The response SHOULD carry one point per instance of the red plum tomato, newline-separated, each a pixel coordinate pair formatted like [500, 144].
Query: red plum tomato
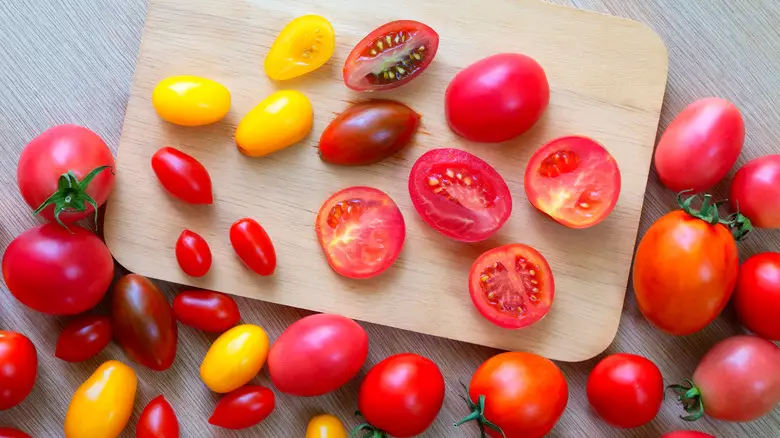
[193, 254]
[206, 310]
[83, 338]
[755, 191]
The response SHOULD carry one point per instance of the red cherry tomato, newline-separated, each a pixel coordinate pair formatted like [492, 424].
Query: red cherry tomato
[193, 254]
[83, 338]
[182, 176]
[757, 297]
[700, 145]
[626, 390]
[244, 407]
[574, 180]
[497, 98]
[390, 56]
[459, 194]
[206, 310]
[18, 368]
[512, 285]
[755, 191]
[361, 230]
[253, 246]
[9, 432]
[158, 420]
[688, 434]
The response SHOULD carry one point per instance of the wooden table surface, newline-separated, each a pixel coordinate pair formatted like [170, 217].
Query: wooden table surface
[71, 61]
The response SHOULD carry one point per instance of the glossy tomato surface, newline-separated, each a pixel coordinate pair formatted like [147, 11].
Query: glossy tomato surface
[688, 434]
[755, 191]
[182, 176]
[278, 121]
[325, 426]
[83, 338]
[206, 310]
[190, 100]
[390, 56]
[317, 354]
[9, 432]
[58, 271]
[253, 246]
[368, 132]
[244, 407]
[18, 368]
[235, 358]
[459, 195]
[757, 297]
[497, 98]
[574, 180]
[193, 254]
[304, 45]
[158, 420]
[361, 230]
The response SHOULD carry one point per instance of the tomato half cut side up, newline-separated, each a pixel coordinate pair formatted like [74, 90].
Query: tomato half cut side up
[361, 231]
[574, 180]
[390, 56]
[512, 286]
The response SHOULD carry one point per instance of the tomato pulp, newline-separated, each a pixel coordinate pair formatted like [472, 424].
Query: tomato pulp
[304, 45]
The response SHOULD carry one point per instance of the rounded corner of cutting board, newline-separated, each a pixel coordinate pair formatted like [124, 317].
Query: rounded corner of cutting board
[112, 237]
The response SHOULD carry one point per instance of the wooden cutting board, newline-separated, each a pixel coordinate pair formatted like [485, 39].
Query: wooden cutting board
[607, 76]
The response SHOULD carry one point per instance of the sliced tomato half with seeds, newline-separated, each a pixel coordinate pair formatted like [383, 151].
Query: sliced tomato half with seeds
[512, 285]
[390, 56]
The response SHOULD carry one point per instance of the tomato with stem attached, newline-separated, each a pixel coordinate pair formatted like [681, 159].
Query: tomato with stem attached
[193, 254]
[18, 368]
[755, 191]
[757, 296]
[182, 176]
[243, 407]
[253, 246]
[158, 420]
[206, 310]
[83, 338]
[304, 45]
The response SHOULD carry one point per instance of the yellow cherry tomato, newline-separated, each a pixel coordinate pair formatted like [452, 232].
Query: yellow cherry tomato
[102, 405]
[303, 46]
[326, 426]
[235, 358]
[191, 100]
[282, 119]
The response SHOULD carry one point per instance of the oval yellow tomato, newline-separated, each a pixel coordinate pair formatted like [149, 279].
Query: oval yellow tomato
[280, 120]
[326, 426]
[102, 405]
[190, 100]
[235, 358]
[303, 46]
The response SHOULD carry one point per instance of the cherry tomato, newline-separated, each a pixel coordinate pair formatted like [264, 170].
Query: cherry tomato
[517, 395]
[325, 426]
[253, 246]
[206, 310]
[368, 132]
[158, 420]
[757, 297]
[755, 191]
[700, 145]
[182, 176]
[304, 45]
[18, 368]
[244, 407]
[574, 180]
[688, 434]
[317, 354]
[626, 390]
[66, 173]
[401, 395]
[361, 231]
[144, 322]
[234, 358]
[83, 338]
[737, 380]
[9, 432]
[58, 271]
[280, 120]
[193, 254]
[390, 56]
[190, 100]
[459, 195]
[497, 98]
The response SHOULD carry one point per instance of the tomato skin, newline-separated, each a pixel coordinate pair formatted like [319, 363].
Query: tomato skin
[304, 45]
[279, 121]
[206, 310]
[757, 297]
[193, 254]
[83, 338]
[253, 246]
[182, 176]
[9, 432]
[18, 368]
[626, 390]
[143, 322]
[497, 98]
[755, 191]
[688, 434]
[700, 145]
[244, 407]
[325, 426]
[158, 420]
[368, 132]
[71, 276]
[317, 354]
[190, 100]
[234, 358]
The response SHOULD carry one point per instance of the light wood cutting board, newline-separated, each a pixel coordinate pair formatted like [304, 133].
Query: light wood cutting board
[607, 76]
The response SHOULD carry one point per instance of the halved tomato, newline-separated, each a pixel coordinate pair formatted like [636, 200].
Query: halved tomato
[361, 231]
[390, 56]
[303, 46]
[512, 285]
[574, 180]
[459, 194]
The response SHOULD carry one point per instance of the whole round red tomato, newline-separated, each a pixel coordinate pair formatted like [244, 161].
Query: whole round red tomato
[757, 297]
[58, 271]
[688, 434]
[626, 390]
[737, 380]
[401, 396]
[9, 432]
[317, 354]
[158, 420]
[18, 368]
[253, 246]
[193, 254]
[459, 195]
[700, 145]
[497, 98]
[244, 407]
[182, 176]
[206, 310]
[517, 395]
[66, 173]
[755, 191]
[83, 338]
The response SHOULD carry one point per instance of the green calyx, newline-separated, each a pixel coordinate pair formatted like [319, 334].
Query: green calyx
[366, 430]
[71, 195]
[738, 224]
[478, 414]
[689, 396]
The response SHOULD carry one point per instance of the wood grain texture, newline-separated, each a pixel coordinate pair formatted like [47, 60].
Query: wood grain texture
[72, 61]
